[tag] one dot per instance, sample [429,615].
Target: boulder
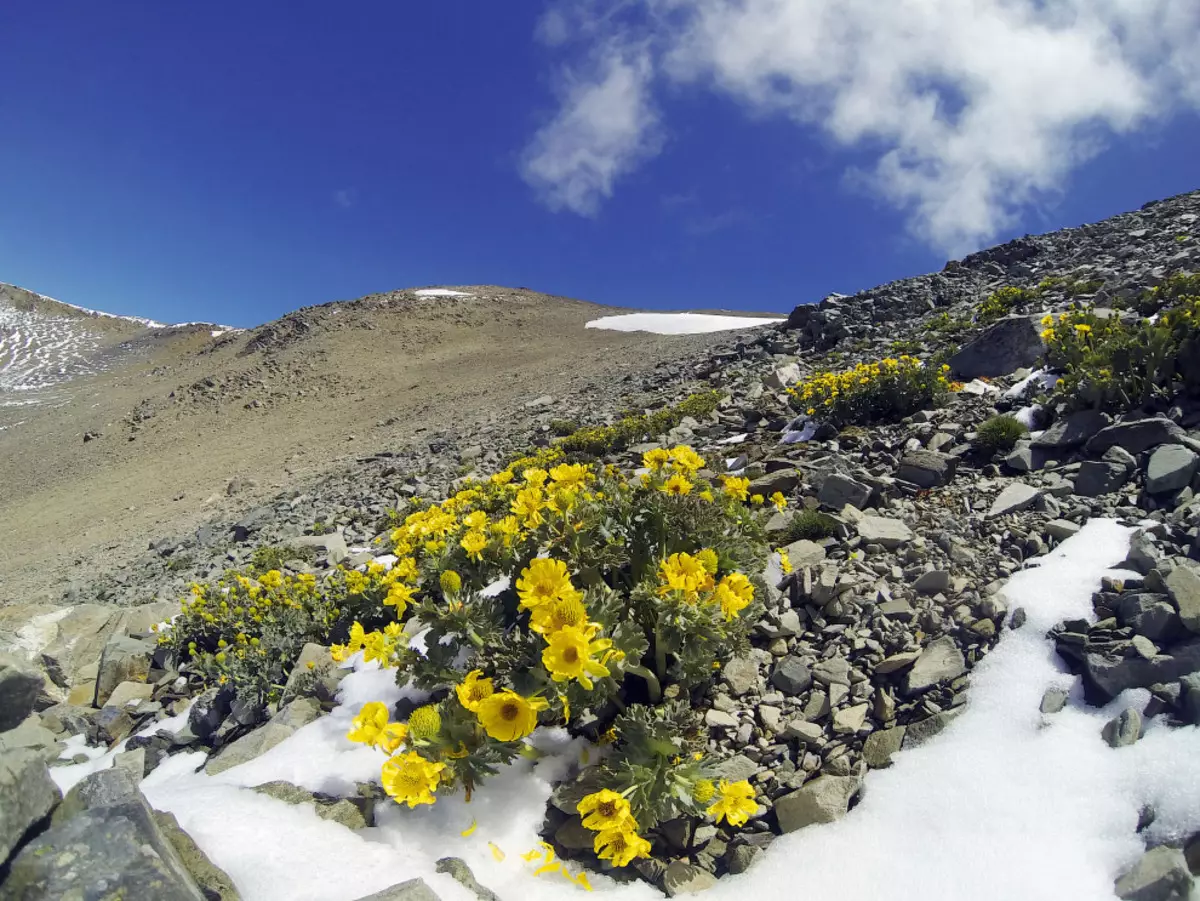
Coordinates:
[791,676]
[804,553]
[1135,436]
[783,377]
[821,800]
[890,533]
[1183,587]
[209,710]
[1096,477]
[838,490]
[939,662]
[926,469]
[19,687]
[1072,430]
[1016,496]
[784,481]
[1161,874]
[1171,468]
[124,659]
[1123,729]
[880,746]
[1150,615]
[27,795]
[212,880]
[1106,677]
[285,723]
[1004,347]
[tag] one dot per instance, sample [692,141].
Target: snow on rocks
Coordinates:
[678,323]
[441,292]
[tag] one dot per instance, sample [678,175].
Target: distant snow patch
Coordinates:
[441,292]
[677,323]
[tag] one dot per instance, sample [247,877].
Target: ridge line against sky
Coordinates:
[220,163]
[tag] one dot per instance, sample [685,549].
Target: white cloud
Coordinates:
[607,125]
[345,197]
[973,109]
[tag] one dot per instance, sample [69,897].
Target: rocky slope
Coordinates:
[864,651]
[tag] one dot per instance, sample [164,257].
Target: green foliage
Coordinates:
[906,346]
[946,326]
[812,525]
[561,428]
[1000,433]
[600,440]
[267,558]
[1000,303]
[872,392]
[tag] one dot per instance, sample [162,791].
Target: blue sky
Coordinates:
[230,161]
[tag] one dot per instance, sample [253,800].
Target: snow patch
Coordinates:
[1039,380]
[677,323]
[441,292]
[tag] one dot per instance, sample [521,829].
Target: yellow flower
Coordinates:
[685,459]
[474,689]
[476,520]
[399,596]
[474,543]
[405,569]
[677,485]
[756,499]
[620,846]
[528,504]
[656,459]
[736,487]
[535,476]
[411,779]
[425,722]
[502,478]
[392,736]
[1048,319]
[372,719]
[606,809]
[779,501]
[708,559]
[734,594]
[1048,334]
[569,475]
[568,655]
[450,581]
[1082,328]
[549,618]
[685,573]
[735,804]
[785,562]
[506,716]
[703,790]
[544,581]
[706,495]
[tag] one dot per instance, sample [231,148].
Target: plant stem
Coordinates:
[651,681]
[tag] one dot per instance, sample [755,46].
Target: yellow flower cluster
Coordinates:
[608,815]
[690,579]
[888,388]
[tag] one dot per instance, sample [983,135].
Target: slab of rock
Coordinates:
[1015,497]
[741,674]
[1161,874]
[1008,345]
[1183,587]
[20,683]
[31,735]
[791,676]
[285,723]
[1061,529]
[1096,477]
[821,800]
[345,811]
[939,662]
[27,795]
[212,880]
[890,533]
[897,662]
[129,694]
[1106,677]
[834,671]
[838,490]
[1072,430]
[804,553]
[683,878]
[1135,436]
[785,481]
[1151,615]
[921,731]
[1171,468]
[1053,700]
[783,377]
[880,746]
[926,469]
[124,659]
[935,581]
[849,720]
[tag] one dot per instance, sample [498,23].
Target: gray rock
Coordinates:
[890,533]
[1171,467]
[1053,700]
[783,377]
[19,687]
[1190,699]
[740,858]
[1060,529]
[821,800]
[31,735]
[1144,646]
[1096,477]
[897,662]
[682,878]
[332,546]
[939,662]
[921,731]
[103,788]
[1183,586]
[1106,677]
[209,710]
[791,676]
[719,719]
[849,720]
[27,795]
[124,659]
[1123,729]
[285,723]
[926,469]
[337,810]
[212,880]
[834,671]
[133,762]
[1161,874]
[810,733]
[838,490]
[880,746]
[574,836]
[457,869]
[130,694]
[112,724]
[736,768]
[805,553]
[1004,347]
[1072,431]
[1150,615]
[1135,436]
[1016,496]
[784,480]
[741,674]
[934,581]
[409,890]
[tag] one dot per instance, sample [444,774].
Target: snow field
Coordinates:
[677,323]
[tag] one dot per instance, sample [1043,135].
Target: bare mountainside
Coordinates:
[139,429]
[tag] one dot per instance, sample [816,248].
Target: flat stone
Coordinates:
[27,795]
[1123,729]
[838,490]
[1096,478]
[849,720]
[1006,346]
[784,481]
[791,676]
[31,735]
[890,533]
[1135,436]
[810,733]
[821,800]
[1161,874]
[409,890]
[20,683]
[736,768]
[921,731]
[212,880]
[805,553]
[740,674]
[124,659]
[337,810]
[926,469]
[285,723]
[719,719]
[880,746]
[939,662]
[935,581]
[1053,700]
[1072,430]
[682,878]
[1171,467]
[1183,587]
[834,671]
[1016,496]
[1144,646]
[783,377]
[1060,529]
[897,662]
[129,693]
